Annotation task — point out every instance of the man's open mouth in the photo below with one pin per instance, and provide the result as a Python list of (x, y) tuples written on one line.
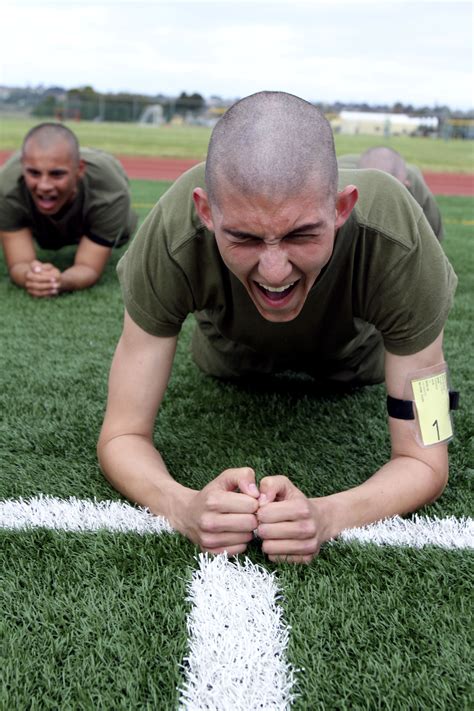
[(46, 202), (277, 293)]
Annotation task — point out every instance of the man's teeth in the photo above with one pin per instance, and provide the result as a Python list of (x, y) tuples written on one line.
[(276, 289)]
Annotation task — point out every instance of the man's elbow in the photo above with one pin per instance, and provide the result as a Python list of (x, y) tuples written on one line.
[(439, 480), (101, 449)]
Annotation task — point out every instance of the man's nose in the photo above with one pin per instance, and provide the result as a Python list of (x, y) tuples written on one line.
[(44, 182), (274, 266)]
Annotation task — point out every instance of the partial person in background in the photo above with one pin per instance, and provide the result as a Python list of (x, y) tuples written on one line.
[(54, 194), (388, 160)]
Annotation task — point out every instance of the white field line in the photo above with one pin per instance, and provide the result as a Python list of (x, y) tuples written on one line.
[(79, 515), (416, 532), (84, 515), (237, 635), (237, 640)]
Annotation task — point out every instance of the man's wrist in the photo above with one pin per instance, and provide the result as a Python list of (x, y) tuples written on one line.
[(18, 273), (329, 515), (175, 499)]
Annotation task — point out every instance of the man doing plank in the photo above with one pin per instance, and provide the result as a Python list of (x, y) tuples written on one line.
[(57, 195), (285, 268)]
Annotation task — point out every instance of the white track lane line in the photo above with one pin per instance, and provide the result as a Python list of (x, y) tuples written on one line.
[(237, 640)]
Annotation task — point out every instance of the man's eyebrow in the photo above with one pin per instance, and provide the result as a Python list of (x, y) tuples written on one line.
[(53, 171), (310, 226), (240, 234)]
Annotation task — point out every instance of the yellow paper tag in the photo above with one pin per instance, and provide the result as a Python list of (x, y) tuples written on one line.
[(432, 405)]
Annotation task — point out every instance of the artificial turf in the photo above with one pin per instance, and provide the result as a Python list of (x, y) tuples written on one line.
[(97, 620), (92, 621)]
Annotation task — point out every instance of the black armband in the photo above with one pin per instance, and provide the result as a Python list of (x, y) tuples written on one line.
[(404, 410)]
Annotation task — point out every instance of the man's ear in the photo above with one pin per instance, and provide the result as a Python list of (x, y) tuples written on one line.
[(203, 209), (345, 201), (81, 169)]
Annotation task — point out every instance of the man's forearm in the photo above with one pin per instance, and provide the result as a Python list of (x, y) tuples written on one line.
[(134, 467), (401, 486), (77, 277)]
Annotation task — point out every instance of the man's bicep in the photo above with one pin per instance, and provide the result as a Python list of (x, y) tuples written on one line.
[(398, 368), (139, 375), (404, 434)]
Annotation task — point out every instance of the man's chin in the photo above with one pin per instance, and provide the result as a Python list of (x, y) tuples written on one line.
[(278, 315)]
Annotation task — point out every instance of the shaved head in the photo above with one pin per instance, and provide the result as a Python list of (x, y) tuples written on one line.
[(386, 159), (272, 144), (46, 135)]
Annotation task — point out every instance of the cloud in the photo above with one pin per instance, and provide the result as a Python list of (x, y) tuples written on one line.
[(378, 52)]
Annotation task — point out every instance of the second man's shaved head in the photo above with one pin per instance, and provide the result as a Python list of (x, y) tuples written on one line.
[(46, 135), (272, 144), (386, 159)]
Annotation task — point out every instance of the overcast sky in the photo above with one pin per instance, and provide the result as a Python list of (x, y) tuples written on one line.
[(415, 52)]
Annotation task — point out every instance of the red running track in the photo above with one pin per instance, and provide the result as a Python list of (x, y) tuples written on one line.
[(171, 168)]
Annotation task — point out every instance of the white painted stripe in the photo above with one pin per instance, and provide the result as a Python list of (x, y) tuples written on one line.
[(237, 640), (79, 515), (416, 532), (85, 515)]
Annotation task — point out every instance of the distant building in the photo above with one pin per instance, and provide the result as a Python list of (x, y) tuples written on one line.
[(382, 124)]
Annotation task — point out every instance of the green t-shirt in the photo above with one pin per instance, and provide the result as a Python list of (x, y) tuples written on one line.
[(416, 186), (388, 279), (101, 210)]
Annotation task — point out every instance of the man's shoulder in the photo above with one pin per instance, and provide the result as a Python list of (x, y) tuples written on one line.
[(186, 183), (177, 211), (103, 169), (384, 205), (10, 174), (348, 161), (416, 183), (173, 254)]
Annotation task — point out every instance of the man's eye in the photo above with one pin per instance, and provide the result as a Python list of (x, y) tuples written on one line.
[(300, 236), (243, 239)]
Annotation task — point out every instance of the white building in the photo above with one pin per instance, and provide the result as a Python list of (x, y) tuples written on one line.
[(382, 124)]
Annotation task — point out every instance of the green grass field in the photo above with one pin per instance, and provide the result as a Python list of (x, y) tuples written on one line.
[(191, 142), (97, 621)]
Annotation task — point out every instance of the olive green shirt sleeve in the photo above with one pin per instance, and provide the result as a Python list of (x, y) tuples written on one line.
[(408, 284), (109, 218), (14, 213), (155, 289)]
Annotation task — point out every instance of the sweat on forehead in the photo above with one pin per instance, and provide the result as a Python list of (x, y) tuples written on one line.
[(271, 143), (47, 135)]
